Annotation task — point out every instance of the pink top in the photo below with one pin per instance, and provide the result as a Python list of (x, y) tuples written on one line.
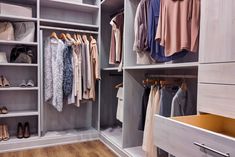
[(178, 25)]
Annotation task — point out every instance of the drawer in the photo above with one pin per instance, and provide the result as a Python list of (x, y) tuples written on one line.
[(195, 136), (216, 99), (217, 73)]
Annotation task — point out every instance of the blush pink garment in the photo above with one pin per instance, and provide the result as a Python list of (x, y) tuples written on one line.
[(178, 27)]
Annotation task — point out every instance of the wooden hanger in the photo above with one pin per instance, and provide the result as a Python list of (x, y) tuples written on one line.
[(119, 85), (54, 35), (69, 37), (79, 38), (150, 81), (63, 37)]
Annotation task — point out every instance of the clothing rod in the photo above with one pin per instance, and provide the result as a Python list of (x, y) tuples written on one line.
[(67, 29), (172, 76)]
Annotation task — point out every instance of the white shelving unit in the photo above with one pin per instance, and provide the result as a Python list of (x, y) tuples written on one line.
[(19, 114)]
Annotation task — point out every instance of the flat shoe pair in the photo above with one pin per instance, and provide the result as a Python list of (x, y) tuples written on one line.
[(30, 83), (3, 110), (4, 82)]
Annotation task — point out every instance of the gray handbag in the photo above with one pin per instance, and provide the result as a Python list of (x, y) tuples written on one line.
[(24, 31)]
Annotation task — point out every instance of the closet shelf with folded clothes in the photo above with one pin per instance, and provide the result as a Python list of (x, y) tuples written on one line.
[(12, 42), (74, 25)]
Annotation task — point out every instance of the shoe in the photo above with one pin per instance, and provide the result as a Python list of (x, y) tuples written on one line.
[(5, 82), (26, 130), (1, 132), (1, 82), (3, 110), (30, 83), (23, 83), (5, 134), (20, 131)]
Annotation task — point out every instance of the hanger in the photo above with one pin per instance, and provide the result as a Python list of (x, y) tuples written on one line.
[(84, 37), (69, 37), (119, 85), (54, 35), (79, 38), (63, 36), (184, 86), (117, 13)]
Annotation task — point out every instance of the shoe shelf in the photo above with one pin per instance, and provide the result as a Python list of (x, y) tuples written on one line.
[(19, 114), (11, 42), (17, 18), (18, 88), (19, 64)]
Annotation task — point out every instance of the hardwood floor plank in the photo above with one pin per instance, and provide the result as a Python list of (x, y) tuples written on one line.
[(85, 149)]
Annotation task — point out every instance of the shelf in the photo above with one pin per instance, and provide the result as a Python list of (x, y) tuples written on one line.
[(57, 23), (19, 114), (112, 5), (110, 69), (17, 88), (164, 66), (70, 5), (115, 136), (15, 140), (135, 151), (19, 64), (17, 18), (9, 42)]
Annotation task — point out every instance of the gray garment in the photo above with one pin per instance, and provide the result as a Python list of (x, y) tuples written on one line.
[(54, 72), (48, 85), (178, 107), (84, 67), (166, 98), (68, 71)]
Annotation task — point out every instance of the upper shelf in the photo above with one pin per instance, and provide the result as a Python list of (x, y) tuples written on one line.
[(70, 5), (58, 23), (10, 42), (16, 18), (164, 66), (112, 5)]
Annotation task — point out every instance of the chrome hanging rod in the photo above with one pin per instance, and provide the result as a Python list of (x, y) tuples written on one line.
[(67, 29), (171, 76)]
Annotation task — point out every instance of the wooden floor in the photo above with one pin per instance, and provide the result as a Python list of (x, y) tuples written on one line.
[(85, 149)]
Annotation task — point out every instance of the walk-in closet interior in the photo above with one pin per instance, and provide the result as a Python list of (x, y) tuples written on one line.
[(142, 76)]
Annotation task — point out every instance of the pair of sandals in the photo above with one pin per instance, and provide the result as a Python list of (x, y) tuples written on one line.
[(4, 133), (4, 82), (30, 83), (3, 110)]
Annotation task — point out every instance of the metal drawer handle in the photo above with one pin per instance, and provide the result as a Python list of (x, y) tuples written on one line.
[(211, 149)]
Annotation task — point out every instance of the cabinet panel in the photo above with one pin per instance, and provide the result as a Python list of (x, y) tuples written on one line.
[(222, 73), (180, 136), (217, 99), (217, 35)]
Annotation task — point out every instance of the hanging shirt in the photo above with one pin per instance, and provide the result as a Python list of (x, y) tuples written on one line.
[(156, 50), (116, 39), (144, 105), (178, 27), (120, 105), (140, 30), (54, 69)]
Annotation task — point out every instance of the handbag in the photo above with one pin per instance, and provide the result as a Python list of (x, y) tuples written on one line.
[(3, 57), (6, 31), (22, 54), (24, 31)]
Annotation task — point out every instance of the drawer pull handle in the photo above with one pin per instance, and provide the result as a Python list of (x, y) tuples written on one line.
[(211, 149)]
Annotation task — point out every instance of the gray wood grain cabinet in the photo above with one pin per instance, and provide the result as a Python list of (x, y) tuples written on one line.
[(211, 132)]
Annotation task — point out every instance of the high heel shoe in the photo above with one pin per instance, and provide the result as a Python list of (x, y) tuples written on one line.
[(5, 134), (20, 131), (26, 130), (5, 82)]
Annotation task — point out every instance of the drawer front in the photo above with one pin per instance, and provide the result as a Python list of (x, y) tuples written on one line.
[(223, 73), (217, 99), (178, 139)]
